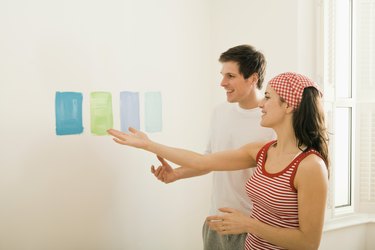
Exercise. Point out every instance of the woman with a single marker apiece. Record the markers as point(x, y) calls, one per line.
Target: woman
point(289, 185)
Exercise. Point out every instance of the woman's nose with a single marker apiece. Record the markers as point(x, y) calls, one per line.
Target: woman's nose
point(260, 104)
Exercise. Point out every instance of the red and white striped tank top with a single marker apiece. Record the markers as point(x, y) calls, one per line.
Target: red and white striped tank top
point(274, 197)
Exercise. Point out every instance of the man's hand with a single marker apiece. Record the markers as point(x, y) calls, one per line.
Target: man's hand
point(164, 172)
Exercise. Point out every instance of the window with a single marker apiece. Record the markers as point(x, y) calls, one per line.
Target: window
point(339, 96)
point(349, 86)
point(364, 61)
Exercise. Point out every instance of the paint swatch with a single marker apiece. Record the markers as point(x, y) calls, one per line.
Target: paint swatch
point(68, 111)
point(129, 110)
point(153, 112)
point(101, 112)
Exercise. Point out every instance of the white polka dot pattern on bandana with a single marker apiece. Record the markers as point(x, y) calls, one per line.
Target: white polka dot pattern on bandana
point(290, 87)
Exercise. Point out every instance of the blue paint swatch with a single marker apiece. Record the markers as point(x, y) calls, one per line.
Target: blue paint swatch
point(68, 109)
point(153, 112)
point(129, 110)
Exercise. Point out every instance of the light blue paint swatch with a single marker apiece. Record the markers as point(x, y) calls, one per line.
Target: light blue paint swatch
point(68, 111)
point(129, 110)
point(153, 112)
point(101, 115)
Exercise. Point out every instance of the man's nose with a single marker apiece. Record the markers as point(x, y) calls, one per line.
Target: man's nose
point(223, 82)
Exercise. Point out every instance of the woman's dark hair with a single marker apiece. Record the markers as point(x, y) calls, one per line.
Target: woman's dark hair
point(309, 123)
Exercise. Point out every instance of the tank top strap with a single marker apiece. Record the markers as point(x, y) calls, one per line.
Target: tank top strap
point(296, 161)
point(263, 151)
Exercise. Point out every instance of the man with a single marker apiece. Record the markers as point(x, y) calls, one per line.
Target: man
point(233, 124)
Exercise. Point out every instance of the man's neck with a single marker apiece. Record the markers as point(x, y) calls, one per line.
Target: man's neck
point(251, 101)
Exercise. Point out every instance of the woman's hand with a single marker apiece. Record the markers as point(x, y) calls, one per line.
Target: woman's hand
point(135, 138)
point(231, 222)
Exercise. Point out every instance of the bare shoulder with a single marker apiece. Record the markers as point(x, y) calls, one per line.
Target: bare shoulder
point(253, 148)
point(311, 168)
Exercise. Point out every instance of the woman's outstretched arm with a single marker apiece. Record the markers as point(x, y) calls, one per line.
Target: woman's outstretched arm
point(241, 158)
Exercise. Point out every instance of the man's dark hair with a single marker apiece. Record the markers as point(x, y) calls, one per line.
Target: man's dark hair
point(249, 61)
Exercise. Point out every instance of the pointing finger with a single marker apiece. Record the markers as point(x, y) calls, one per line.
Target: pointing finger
point(161, 159)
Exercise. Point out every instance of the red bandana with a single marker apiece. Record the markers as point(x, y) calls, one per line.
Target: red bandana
point(290, 87)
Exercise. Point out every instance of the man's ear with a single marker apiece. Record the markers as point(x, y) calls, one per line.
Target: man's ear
point(254, 78)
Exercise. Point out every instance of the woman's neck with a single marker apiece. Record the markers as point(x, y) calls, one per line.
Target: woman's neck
point(287, 142)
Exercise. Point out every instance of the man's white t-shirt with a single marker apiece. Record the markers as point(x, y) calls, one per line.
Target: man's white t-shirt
point(231, 128)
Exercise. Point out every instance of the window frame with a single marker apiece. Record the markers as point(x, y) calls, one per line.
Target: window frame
point(333, 102)
point(327, 70)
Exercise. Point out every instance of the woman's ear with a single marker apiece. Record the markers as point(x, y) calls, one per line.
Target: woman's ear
point(289, 108)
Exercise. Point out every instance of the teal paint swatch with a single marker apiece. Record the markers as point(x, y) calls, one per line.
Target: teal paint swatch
point(101, 112)
point(153, 112)
point(129, 110)
point(68, 112)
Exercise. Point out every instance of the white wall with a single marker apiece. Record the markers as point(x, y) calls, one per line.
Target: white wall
point(358, 237)
point(85, 192)
point(347, 238)
point(370, 232)
point(285, 31)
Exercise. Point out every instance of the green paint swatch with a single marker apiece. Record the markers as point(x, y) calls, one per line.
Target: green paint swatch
point(101, 112)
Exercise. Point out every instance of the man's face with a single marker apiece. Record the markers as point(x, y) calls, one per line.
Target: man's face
point(237, 88)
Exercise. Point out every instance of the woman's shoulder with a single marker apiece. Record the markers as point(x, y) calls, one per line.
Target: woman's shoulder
point(312, 164)
point(311, 173)
point(255, 147)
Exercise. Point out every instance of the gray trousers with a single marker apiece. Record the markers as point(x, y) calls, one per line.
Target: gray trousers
point(215, 241)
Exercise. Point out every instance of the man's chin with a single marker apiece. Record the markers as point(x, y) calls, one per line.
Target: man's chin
point(231, 100)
